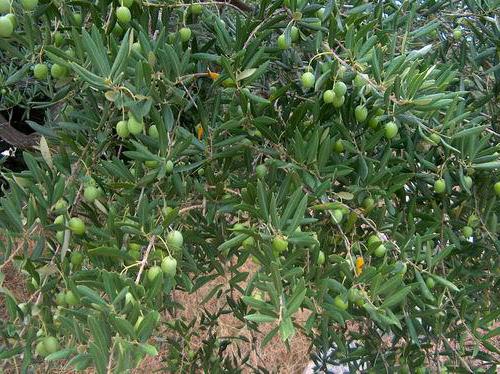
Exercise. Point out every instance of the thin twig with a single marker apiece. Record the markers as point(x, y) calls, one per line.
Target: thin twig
point(145, 258)
point(188, 208)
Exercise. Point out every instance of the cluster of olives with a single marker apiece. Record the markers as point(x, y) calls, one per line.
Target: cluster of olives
point(294, 35)
point(168, 265)
point(75, 224)
point(132, 126)
point(67, 298)
point(8, 21)
point(336, 95)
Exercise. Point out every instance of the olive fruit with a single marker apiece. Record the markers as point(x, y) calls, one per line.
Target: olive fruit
point(380, 250)
point(238, 226)
point(340, 303)
point(473, 221)
point(76, 259)
point(129, 298)
point(497, 188)
point(307, 80)
point(338, 101)
point(280, 244)
point(134, 255)
point(136, 47)
point(261, 171)
point(368, 203)
point(282, 44)
point(440, 186)
point(60, 237)
point(123, 15)
point(77, 19)
point(435, 138)
point(91, 193)
point(122, 129)
point(58, 38)
point(40, 349)
point(359, 81)
point(360, 113)
point(153, 132)
point(353, 295)
point(169, 266)
point(6, 27)
point(321, 258)
point(391, 130)
point(127, 3)
point(294, 33)
point(59, 220)
point(71, 298)
point(29, 4)
point(248, 242)
point(169, 166)
point(339, 88)
point(60, 298)
point(467, 231)
point(153, 272)
point(338, 146)
point(400, 268)
point(58, 71)
point(77, 226)
point(372, 240)
point(41, 71)
point(430, 282)
point(328, 96)
point(373, 122)
point(195, 9)
point(12, 18)
point(457, 34)
point(51, 344)
point(175, 239)
point(185, 34)
point(134, 126)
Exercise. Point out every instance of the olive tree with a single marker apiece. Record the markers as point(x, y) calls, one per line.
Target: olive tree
point(349, 149)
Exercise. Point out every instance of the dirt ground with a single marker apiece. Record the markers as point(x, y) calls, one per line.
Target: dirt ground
point(274, 357)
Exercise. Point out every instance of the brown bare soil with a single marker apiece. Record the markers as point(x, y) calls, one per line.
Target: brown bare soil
point(274, 357)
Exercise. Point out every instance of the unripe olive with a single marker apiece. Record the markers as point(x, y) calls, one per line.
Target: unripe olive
point(439, 186)
point(467, 231)
point(123, 15)
point(391, 130)
point(307, 80)
point(282, 44)
point(261, 171)
point(280, 244)
point(328, 96)
point(41, 71)
point(185, 34)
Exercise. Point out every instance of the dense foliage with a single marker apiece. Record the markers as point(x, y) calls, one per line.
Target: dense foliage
point(348, 148)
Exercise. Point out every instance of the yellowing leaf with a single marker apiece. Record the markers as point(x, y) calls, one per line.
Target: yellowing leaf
point(44, 149)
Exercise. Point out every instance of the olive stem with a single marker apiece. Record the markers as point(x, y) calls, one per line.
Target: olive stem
point(145, 258)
